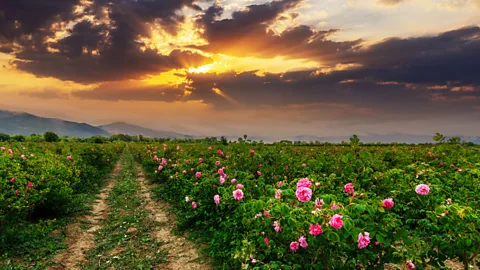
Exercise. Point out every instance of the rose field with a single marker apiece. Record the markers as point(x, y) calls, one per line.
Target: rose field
point(245, 205)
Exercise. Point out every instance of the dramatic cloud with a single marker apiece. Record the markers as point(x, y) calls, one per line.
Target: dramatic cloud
point(103, 49)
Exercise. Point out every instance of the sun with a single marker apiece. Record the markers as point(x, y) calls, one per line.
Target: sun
point(201, 69)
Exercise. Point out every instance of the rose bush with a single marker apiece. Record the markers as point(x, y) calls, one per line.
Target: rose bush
point(348, 207)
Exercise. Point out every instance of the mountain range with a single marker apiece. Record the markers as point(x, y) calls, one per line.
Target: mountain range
point(24, 123)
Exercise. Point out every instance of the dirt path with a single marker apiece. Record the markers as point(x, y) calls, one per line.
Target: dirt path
point(80, 240)
point(182, 255)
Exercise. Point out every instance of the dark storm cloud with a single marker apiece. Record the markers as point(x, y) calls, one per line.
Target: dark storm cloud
point(19, 17)
point(95, 52)
point(247, 34)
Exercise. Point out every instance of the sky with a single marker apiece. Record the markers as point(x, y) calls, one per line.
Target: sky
point(274, 69)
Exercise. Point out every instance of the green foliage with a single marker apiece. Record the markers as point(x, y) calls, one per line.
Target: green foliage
point(51, 137)
point(428, 230)
point(40, 185)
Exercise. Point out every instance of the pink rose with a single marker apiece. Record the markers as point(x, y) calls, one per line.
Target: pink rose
point(278, 194)
point(363, 240)
point(252, 152)
point(198, 174)
point(259, 173)
point(3, 148)
point(222, 180)
point(239, 186)
point(304, 165)
point(266, 241)
point(217, 162)
point(315, 229)
point(29, 185)
point(348, 188)
point(216, 199)
point(303, 241)
point(234, 181)
point(422, 189)
point(12, 180)
point(303, 194)
point(210, 148)
point(388, 203)
point(160, 167)
point(69, 157)
point(194, 205)
point(187, 199)
point(294, 246)
point(10, 152)
point(410, 265)
point(201, 160)
point(16, 192)
point(276, 226)
point(155, 158)
point(304, 182)
point(184, 172)
point(336, 221)
point(238, 194)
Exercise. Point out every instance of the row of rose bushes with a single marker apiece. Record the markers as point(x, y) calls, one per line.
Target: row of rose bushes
point(272, 207)
point(47, 180)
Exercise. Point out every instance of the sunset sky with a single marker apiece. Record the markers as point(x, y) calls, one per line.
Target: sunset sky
point(229, 67)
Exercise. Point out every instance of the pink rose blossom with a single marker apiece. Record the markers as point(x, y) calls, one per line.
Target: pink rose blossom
point(303, 194)
point(410, 265)
point(279, 184)
point(239, 186)
point(222, 180)
point(304, 182)
point(69, 157)
point(276, 226)
point(3, 148)
point(315, 229)
point(259, 173)
point(252, 152)
point(363, 240)
point(388, 203)
point(377, 243)
point(303, 241)
point(200, 160)
point(422, 189)
point(334, 206)
point(216, 199)
point(178, 147)
point(184, 172)
point(278, 194)
point(336, 221)
point(164, 161)
point(234, 181)
point(10, 152)
point(294, 246)
point(29, 185)
point(444, 172)
point(304, 165)
point(460, 170)
point(217, 162)
point(16, 192)
point(194, 205)
point(155, 158)
point(238, 194)
point(266, 241)
point(348, 188)
point(160, 167)
point(12, 180)
point(187, 199)
point(198, 174)
point(210, 148)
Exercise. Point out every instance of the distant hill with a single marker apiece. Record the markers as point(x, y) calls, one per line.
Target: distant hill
point(133, 130)
point(23, 123)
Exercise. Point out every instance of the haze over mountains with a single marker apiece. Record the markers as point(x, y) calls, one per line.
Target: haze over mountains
point(24, 123)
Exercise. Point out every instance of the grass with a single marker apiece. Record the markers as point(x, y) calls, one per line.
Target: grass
point(125, 241)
